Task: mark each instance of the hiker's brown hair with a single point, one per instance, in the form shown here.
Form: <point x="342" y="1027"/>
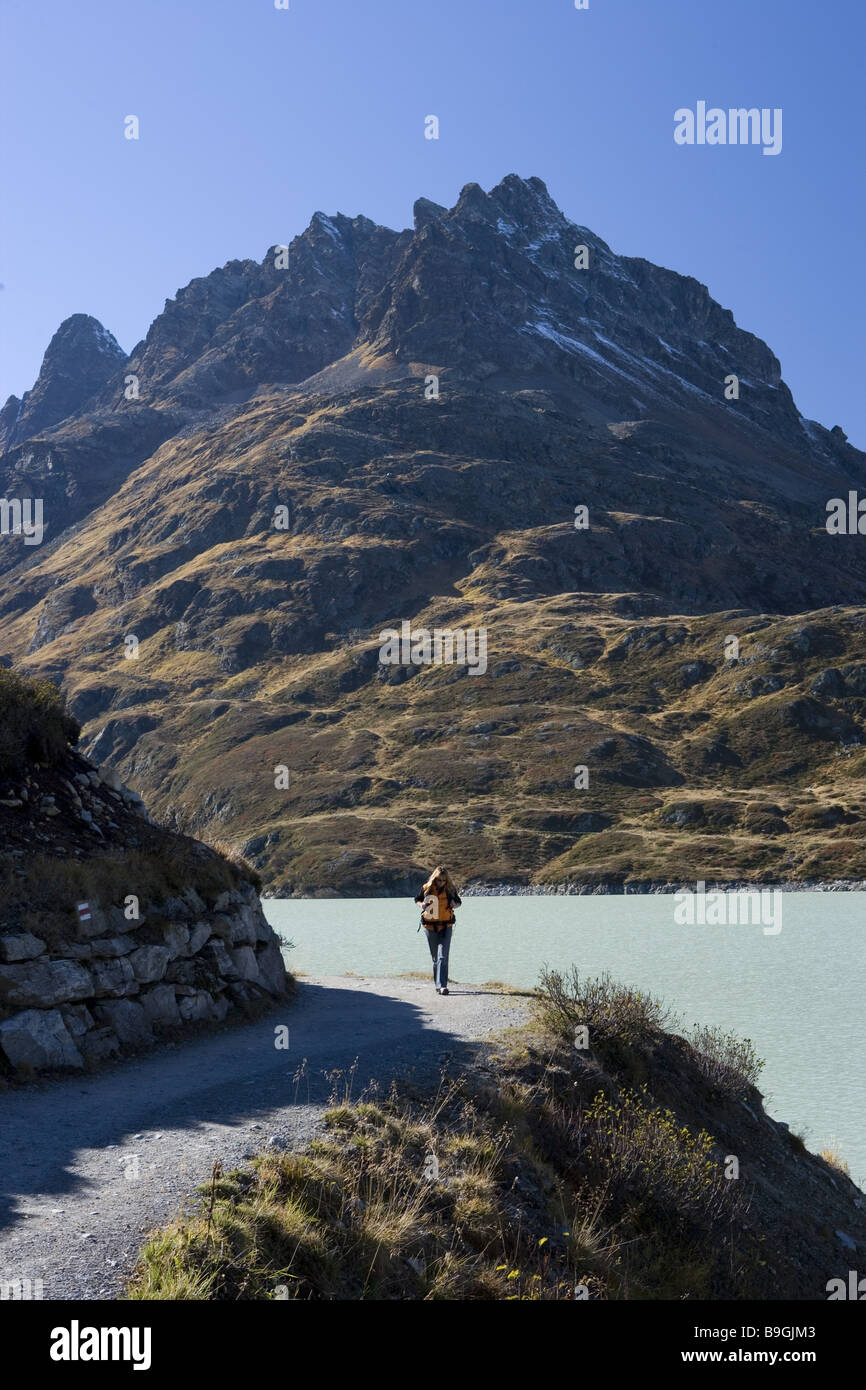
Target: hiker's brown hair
<point x="442" y="877"/>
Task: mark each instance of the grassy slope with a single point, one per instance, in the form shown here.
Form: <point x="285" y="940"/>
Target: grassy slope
<point x="687" y="783"/>
<point x="722" y="778"/>
<point x="551" y="1172"/>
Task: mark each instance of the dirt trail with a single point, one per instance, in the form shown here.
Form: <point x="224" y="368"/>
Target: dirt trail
<point x="89" y="1165"/>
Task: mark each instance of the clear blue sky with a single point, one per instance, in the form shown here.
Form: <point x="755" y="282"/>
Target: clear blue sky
<point x="253" y="118"/>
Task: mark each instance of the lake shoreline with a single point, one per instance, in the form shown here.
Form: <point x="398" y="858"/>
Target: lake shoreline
<point x="610" y="889"/>
<point x="487" y="890"/>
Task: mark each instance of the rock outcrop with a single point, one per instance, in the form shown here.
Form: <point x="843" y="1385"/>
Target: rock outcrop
<point x="113" y="931"/>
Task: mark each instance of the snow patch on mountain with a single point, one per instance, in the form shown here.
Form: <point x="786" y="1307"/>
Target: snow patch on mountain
<point x="569" y="344"/>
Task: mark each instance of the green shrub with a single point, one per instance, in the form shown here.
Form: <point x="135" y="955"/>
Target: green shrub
<point x="34" y="725"/>
<point x="646" y="1156"/>
<point x="729" y="1063"/>
<point x="609" y="1010"/>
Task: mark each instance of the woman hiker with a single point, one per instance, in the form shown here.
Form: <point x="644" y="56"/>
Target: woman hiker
<point x="438" y="899"/>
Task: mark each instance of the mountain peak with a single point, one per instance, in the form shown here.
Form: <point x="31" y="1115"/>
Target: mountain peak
<point x="81" y="335"/>
<point x="523" y="191"/>
<point x="8" y="420"/>
<point x="78" y="361"/>
<point x="425" y="211"/>
<point x="330" y="225"/>
<point x="526" y="201"/>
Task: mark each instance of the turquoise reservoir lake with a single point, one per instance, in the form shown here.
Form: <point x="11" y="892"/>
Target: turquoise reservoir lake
<point x="797" y="994"/>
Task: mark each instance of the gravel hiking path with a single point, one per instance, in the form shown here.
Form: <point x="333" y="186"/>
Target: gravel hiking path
<point x="89" y="1165"/>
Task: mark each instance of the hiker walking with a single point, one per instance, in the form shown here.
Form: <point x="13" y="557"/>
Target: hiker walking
<point x="438" y="899"/>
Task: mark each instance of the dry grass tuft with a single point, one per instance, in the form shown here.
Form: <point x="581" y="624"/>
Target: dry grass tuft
<point x="831" y="1154"/>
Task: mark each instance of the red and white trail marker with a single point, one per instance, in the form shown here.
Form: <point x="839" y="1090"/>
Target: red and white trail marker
<point x="84" y="912"/>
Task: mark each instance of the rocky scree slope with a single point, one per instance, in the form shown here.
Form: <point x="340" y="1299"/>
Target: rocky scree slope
<point x="309" y="389"/>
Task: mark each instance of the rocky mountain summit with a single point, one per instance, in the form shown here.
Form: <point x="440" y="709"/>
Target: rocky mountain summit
<point x="79" y="360"/>
<point x="487" y="421"/>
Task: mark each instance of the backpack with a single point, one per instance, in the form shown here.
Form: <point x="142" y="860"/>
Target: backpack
<point x="436" y="912"/>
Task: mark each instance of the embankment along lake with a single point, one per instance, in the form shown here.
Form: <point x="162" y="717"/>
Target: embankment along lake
<point x="798" y="994"/>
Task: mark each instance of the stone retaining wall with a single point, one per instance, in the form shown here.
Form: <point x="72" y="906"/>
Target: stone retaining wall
<point x="119" y="983"/>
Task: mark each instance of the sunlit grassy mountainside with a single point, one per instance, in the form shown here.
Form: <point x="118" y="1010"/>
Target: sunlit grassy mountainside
<point x="314" y="389"/>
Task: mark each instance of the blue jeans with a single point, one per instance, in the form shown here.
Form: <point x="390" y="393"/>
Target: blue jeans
<point x="440" y="944"/>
